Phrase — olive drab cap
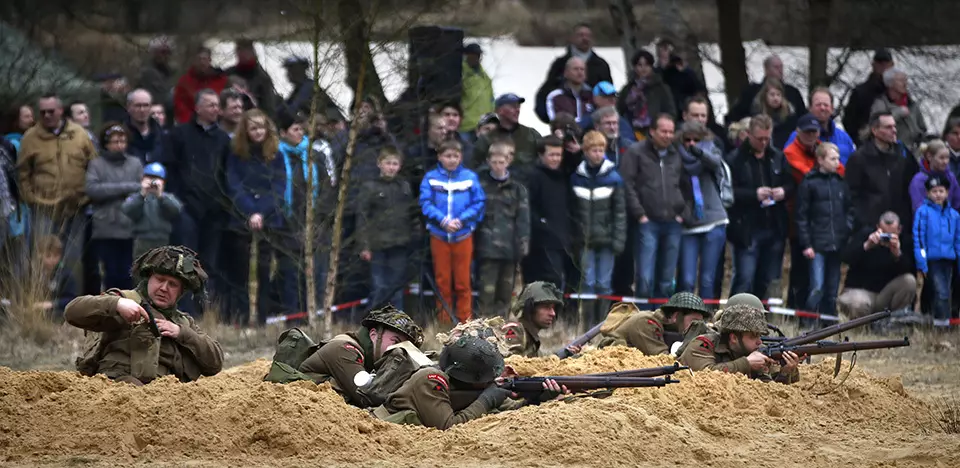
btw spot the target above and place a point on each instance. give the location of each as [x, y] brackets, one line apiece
[397, 320]
[744, 318]
[686, 301]
[173, 260]
[739, 299]
[539, 292]
[471, 359]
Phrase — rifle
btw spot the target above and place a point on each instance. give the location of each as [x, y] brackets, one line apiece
[530, 388]
[817, 335]
[580, 340]
[647, 372]
[776, 351]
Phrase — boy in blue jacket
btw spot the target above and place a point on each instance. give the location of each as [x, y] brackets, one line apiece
[452, 202]
[936, 245]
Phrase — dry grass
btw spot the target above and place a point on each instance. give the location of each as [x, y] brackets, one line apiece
[946, 412]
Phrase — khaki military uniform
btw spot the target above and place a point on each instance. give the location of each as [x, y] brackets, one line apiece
[338, 361]
[131, 353]
[642, 330]
[424, 400]
[522, 338]
[709, 352]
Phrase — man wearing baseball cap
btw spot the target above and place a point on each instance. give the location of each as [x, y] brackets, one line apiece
[525, 139]
[477, 98]
[605, 95]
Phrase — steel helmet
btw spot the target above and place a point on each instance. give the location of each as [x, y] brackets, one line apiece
[471, 359]
[173, 260]
[743, 318]
[396, 320]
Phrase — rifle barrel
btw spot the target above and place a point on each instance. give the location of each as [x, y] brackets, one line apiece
[580, 340]
[527, 385]
[646, 372]
[828, 347]
[817, 335]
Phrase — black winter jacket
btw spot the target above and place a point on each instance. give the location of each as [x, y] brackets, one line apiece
[551, 204]
[601, 208]
[873, 269]
[387, 215]
[196, 167]
[597, 70]
[747, 175]
[653, 184]
[879, 181]
[824, 219]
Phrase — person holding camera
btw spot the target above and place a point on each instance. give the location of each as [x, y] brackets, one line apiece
[881, 271]
[152, 210]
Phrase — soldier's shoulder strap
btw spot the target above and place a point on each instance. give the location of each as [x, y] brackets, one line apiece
[413, 352]
[125, 293]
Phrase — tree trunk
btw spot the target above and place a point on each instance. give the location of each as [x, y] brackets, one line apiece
[337, 243]
[818, 23]
[732, 55]
[308, 228]
[355, 31]
[253, 279]
[624, 20]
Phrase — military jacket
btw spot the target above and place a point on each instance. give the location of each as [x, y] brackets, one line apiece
[644, 331]
[425, 399]
[522, 338]
[709, 352]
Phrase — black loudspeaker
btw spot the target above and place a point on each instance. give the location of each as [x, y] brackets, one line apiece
[436, 61]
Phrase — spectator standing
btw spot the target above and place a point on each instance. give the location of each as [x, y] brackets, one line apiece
[157, 76]
[256, 182]
[57, 283]
[386, 223]
[79, 113]
[551, 202]
[879, 173]
[202, 75]
[682, 80]
[821, 107]
[758, 217]
[581, 46]
[257, 79]
[605, 95]
[146, 134]
[704, 235]
[525, 139]
[911, 126]
[646, 97]
[936, 245]
[477, 97]
[23, 121]
[452, 202]
[880, 274]
[159, 114]
[503, 238]
[111, 178]
[652, 171]
[608, 123]
[452, 115]
[697, 109]
[936, 163]
[301, 97]
[565, 127]
[824, 224]
[770, 102]
[196, 170]
[231, 111]
[601, 216]
[9, 197]
[572, 96]
[487, 124]
[951, 135]
[152, 210]
[856, 115]
[772, 70]
[52, 172]
[113, 97]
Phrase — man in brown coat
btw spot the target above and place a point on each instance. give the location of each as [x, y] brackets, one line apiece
[135, 336]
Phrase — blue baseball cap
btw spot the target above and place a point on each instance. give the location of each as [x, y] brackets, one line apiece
[155, 169]
[604, 88]
[508, 98]
[808, 123]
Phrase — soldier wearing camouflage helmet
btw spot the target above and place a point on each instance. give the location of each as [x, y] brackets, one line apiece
[734, 348]
[388, 337]
[534, 310]
[469, 364]
[138, 335]
[648, 330]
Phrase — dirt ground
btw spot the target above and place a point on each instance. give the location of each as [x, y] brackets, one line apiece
[886, 413]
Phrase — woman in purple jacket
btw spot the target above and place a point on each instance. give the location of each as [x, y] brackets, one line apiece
[936, 159]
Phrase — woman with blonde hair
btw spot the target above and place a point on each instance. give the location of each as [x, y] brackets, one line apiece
[256, 180]
[936, 161]
[771, 101]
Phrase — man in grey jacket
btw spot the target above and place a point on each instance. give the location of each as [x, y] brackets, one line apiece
[652, 171]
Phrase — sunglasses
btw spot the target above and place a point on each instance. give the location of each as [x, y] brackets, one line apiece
[691, 140]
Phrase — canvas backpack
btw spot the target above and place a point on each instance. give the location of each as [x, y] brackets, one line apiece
[293, 347]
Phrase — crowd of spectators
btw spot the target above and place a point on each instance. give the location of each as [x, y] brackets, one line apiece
[636, 192]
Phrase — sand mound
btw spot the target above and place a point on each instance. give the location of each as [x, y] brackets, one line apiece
[710, 418]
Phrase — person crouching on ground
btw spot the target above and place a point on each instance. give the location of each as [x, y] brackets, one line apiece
[139, 334]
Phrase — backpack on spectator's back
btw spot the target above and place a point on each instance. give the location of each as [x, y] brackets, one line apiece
[725, 184]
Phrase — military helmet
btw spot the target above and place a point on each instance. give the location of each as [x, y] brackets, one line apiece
[744, 318]
[684, 301]
[739, 299]
[397, 320]
[539, 292]
[471, 359]
[173, 260]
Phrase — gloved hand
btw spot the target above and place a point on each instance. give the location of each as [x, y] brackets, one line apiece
[494, 396]
[551, 390]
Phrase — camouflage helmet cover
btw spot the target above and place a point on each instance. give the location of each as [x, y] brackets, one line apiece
[744, 318]
[471, 359]
[173, 260]
[539, 292]
[686, 301]
[397, 320]
[739, 299]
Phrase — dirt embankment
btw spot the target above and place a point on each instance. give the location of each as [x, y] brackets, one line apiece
[709, 419]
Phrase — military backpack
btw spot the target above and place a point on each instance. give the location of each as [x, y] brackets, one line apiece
[293, 347]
